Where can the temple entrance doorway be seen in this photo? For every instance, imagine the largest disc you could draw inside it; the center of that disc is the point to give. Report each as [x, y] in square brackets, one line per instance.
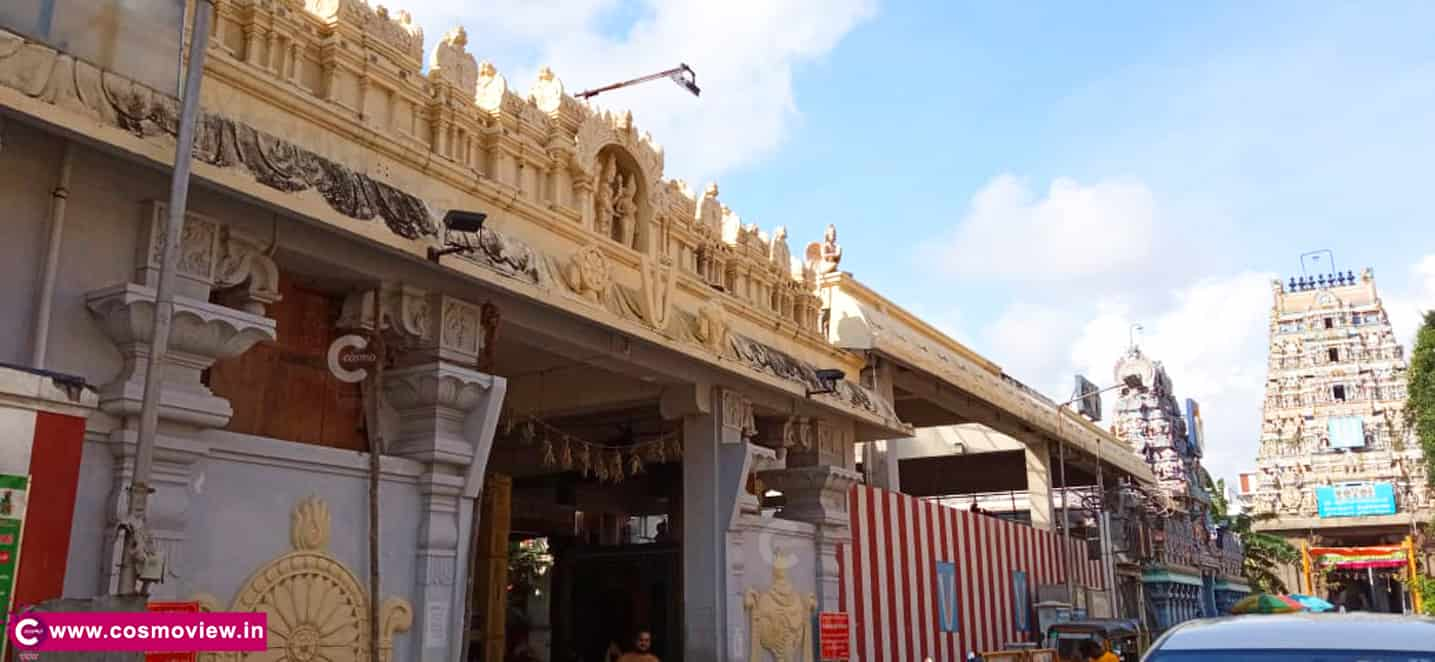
[578, 535]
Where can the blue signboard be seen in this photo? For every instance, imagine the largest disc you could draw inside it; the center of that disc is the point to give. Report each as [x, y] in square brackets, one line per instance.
[1355, 499]
[1021, 595]
[1346, 431]
[946, 596]
[1195, 435]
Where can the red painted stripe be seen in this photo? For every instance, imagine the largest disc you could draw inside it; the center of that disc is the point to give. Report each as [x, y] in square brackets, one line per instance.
[1003, 582]
[900, 552]
[982, 542]
[54, 478]
[962, 548]
[894, 610]
[979, 639]
[880, 639]
[950, 641]
[860, 614]
[933, 556]
[924, 586]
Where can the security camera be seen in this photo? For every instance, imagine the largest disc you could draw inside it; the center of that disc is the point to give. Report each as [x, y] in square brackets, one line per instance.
[464, 221]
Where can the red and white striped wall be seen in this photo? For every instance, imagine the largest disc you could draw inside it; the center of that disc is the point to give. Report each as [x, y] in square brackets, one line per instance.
[889, 576]
[42, 434]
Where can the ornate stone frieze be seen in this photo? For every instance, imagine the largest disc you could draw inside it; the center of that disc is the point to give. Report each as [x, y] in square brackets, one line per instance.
[316, 607]
[508, 256]
[52, 77]
[766, 359]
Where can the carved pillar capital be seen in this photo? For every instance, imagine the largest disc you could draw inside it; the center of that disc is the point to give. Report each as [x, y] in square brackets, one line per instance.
[423, 327]
[201, 334]
[433, 401]
[819, 442]
[814, 494]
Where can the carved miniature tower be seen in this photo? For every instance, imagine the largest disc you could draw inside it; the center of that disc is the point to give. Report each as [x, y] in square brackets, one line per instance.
[1151, 421]
[1335, 451]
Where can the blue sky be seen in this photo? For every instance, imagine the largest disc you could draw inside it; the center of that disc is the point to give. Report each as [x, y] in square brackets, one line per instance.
[1035, 177]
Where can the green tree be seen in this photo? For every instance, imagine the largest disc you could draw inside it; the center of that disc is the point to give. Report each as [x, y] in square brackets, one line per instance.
[1264, 553]
[1420, 400]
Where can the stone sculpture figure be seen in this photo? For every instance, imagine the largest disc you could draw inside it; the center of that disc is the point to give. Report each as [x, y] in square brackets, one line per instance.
[453, 62]
[824, 257]
[603, 205]
[710, 210]
[778, 252]
[547, 91]
[779, 619]
[625, 212]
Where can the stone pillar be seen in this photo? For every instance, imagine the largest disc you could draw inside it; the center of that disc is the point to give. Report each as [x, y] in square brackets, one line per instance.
[447, 414]
[490, 586]
[212, 257]
[715, 459]
[818, 495]
[880, 464]
[1038, 484]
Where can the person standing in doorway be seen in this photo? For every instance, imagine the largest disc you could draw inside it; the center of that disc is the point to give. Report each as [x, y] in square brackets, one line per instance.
[642, 649]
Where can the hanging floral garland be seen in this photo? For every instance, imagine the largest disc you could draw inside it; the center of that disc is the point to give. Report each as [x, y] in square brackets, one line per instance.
[555, 447]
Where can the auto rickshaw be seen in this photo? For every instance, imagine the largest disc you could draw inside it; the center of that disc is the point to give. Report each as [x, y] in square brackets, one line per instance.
[1119, 636]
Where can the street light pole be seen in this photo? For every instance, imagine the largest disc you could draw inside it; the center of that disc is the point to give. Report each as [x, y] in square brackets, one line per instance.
[136, 534]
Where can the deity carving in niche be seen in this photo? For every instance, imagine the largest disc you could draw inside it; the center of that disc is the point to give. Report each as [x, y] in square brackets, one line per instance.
[823, 257]
[615, 205]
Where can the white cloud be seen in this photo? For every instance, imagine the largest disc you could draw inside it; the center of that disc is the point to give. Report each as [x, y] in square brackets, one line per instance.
[1407, 302]
[1075, 231]
[1210, 335]
[743, 52]
[1213, 342]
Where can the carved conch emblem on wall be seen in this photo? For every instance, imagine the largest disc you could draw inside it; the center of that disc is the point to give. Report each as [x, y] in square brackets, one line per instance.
[780, 619]
[317, 609]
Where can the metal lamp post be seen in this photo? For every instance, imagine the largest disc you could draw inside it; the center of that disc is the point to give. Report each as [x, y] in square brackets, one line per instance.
[136, 535]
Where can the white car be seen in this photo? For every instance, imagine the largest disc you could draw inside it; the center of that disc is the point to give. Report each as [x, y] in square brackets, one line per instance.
[1300, 637]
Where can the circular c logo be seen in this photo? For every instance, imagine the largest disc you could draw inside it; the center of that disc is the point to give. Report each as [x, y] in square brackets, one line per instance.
[27, 631]
[337, 358]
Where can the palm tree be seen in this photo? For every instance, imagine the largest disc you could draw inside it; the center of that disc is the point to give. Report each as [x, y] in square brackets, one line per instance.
[1264, 553]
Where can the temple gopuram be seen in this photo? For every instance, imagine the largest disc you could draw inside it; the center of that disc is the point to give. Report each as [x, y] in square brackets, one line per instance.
[1192, 566]
[1338, 472]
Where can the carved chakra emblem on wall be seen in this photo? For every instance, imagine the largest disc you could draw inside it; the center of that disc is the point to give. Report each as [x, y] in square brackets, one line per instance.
[317, 609]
